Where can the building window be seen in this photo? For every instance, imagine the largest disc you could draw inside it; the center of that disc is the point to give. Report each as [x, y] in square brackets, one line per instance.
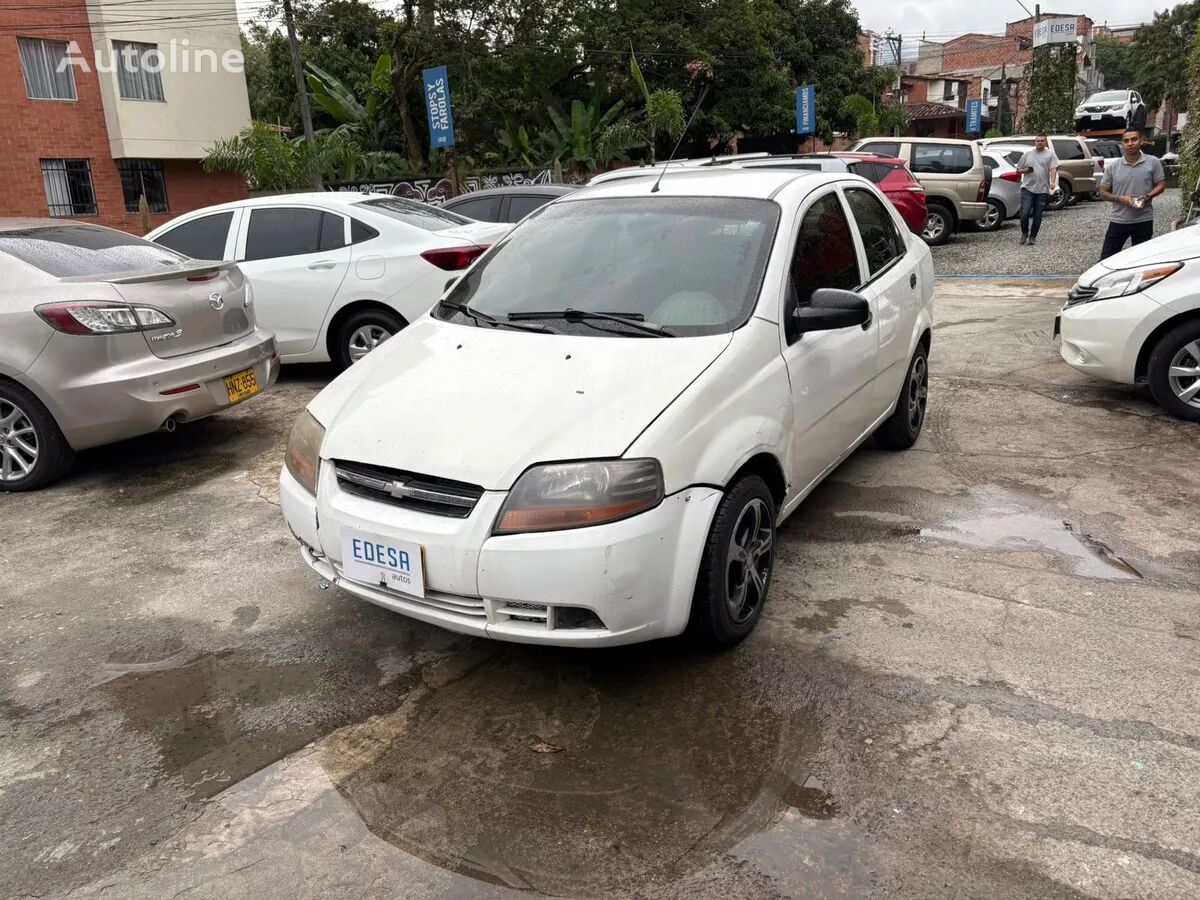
[143, 176]
[139, 70]
[47, 69]
[69, 187]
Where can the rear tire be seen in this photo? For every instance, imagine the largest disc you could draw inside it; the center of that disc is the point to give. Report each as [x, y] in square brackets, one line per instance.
[1177, 351]
[903, 426]
[736, 568]
[362, 333]
[33, 451]
[1060, 198]
[994, 217]
[939, 224]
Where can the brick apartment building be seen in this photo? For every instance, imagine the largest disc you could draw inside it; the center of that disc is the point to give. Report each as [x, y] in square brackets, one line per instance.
[81, 143]
[971, 66]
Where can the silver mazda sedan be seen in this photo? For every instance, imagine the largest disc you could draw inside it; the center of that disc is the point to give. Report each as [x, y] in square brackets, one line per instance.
[104, 336]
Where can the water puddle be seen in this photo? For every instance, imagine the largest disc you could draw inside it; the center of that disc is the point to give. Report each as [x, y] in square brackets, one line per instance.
[218, 718]
[542, 771]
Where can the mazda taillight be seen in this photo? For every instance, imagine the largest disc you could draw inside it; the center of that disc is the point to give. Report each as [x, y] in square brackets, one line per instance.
[454, 258]
[1011, 176]
[102, 317]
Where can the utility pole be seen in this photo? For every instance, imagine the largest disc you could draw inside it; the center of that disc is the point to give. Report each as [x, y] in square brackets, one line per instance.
[895, 43]
[301, 88]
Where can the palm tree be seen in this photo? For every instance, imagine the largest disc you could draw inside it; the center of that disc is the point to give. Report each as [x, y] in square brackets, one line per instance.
[662, 114]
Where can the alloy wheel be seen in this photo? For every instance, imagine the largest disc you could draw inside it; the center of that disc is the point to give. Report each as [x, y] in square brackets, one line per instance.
[992, 218]
[366, 339]
[918, 393]
[18, 442]
[935, 226]
[748, 569]
[1184, 374]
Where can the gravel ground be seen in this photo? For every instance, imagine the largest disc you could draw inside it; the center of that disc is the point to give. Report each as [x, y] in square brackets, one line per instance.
[1068, 244]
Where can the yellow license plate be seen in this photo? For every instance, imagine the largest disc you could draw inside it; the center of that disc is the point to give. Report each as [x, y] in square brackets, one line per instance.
[241, 385]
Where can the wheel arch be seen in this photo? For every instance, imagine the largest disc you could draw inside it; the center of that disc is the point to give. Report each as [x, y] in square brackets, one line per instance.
[1142, 365]
[767, 467]
[339, 318]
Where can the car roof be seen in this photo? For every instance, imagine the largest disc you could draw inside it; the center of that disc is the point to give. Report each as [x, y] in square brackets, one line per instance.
[718, 181]
[330, 199]
[908, 139]
[549, 190]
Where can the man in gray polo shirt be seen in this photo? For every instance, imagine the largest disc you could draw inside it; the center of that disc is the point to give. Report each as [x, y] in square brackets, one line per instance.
[1131, 183]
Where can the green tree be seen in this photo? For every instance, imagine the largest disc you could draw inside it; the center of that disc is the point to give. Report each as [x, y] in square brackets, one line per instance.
[1189, 153]
[361, 119]
[661, 113]
[1116, 60]
[1161, 54]
[858, 109]
[270, 162]
[1051, 76]
[578, 140]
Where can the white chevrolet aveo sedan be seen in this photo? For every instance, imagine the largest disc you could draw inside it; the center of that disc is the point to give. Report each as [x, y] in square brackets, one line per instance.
[1135, 318]
[592, 438]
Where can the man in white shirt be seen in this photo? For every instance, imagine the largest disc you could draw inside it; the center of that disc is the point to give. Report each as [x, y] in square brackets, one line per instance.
[1039, 179]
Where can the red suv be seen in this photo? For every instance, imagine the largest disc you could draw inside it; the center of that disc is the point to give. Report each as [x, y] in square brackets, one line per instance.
[889, 174]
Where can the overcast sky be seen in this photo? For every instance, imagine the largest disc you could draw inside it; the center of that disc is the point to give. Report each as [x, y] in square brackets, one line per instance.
[942, 19]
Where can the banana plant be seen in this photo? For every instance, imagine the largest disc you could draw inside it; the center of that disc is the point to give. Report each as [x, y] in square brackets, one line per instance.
[363, 119]
[576, 141]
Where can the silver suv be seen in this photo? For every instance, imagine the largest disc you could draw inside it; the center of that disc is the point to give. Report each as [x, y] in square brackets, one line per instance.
[952, 172]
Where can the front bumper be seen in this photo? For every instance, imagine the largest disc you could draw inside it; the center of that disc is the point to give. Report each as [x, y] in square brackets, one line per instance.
[1107, 121]
[637, 576]
[106, 390]
[1103, 338]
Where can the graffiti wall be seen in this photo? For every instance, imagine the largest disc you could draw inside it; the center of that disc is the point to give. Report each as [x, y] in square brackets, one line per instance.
[436, 190]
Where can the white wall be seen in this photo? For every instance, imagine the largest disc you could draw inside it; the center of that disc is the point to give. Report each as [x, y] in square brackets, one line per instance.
[198, 107]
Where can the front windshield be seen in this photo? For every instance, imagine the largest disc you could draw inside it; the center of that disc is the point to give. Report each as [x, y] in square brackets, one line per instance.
[1108, 96]
[693, 265]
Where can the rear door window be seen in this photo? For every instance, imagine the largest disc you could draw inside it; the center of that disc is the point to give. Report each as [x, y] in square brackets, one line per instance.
[942, 159]
[522, 205]
[1066, 149]
[201, 238]
[284, 231]
[484, 209]
[881, 241]
[882, 148]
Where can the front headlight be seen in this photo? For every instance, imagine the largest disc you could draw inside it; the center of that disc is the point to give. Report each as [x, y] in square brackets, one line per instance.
[571, 495]
[1130, 281]
[303, 458]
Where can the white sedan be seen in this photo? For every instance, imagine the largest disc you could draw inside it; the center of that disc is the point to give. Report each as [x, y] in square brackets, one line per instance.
[1135, 318]
[337, 273]
[592, 438]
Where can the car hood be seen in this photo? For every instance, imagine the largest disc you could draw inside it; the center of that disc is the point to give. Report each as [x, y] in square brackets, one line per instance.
[1170, 247]
[481, 405]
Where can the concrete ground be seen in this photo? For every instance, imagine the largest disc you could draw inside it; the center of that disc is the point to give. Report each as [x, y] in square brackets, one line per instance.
[977, 676]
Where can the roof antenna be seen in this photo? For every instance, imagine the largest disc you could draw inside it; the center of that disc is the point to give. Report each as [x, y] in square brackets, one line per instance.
[667, 165]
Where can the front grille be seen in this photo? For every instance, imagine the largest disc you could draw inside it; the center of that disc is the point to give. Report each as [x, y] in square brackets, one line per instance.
[1080, 294]
[423, 493]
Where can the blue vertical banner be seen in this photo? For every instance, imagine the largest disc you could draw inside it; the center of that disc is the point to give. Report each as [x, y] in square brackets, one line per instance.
[974, 116]
[437, 105]
[806, 109]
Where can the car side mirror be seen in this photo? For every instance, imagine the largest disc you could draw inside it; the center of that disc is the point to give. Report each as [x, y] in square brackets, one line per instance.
[831, 309]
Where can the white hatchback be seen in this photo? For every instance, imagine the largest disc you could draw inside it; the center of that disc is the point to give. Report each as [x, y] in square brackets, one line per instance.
[1135, 318]
[592, 438]
[336, 273]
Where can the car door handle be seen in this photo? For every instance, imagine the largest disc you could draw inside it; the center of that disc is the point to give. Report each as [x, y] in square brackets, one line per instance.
[322, 264]
[912, 280]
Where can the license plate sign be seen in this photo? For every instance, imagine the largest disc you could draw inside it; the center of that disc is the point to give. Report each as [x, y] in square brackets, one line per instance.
[1095, 116]
[383, 561]
[241, 385]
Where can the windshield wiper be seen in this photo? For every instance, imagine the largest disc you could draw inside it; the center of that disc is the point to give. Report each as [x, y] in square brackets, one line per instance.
[632, 319]
[482, 318]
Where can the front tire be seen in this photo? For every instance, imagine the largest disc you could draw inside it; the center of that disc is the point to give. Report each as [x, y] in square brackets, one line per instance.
[363, 332]
[1174, 372]
[903, 426]
[33, 451]
[736, 568]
